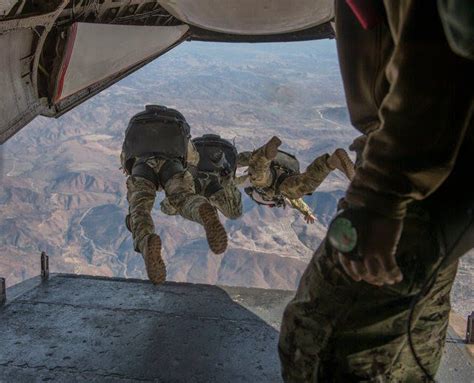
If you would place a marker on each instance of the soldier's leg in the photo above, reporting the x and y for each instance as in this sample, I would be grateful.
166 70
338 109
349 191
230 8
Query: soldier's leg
340 160
141 198
228 201
181 194
167 208
340 330
298 185
378 327
323 297
429 330
259 163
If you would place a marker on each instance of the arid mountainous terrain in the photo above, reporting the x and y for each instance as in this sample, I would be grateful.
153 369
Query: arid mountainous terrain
62 190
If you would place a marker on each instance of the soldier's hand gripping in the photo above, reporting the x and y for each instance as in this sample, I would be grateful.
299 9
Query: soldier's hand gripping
373 259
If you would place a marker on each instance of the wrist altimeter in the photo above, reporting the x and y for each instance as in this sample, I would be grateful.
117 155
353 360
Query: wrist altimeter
344 232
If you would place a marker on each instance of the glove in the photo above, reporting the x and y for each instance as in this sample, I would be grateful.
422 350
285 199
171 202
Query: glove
365 244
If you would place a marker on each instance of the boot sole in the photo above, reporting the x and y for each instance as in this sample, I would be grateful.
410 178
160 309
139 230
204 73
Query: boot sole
346 163
155 266
215 232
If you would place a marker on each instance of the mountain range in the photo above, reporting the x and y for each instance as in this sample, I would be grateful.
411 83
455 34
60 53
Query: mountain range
62 190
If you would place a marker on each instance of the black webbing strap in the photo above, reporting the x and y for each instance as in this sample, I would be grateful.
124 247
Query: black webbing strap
169 169
279 180
142 169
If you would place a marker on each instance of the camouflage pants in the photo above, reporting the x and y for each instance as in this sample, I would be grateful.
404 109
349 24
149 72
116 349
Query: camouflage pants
339 330
141 193
228 199
294 186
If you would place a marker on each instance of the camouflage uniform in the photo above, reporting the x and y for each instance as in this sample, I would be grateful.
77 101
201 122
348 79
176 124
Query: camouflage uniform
294 186
297 204
227 200
339 330
180 196
336 329
301 206
224 195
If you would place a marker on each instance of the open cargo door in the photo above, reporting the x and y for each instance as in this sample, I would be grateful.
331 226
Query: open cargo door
57 54
97 52
95 57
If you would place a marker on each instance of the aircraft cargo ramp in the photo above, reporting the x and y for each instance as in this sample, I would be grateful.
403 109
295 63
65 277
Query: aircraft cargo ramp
92 329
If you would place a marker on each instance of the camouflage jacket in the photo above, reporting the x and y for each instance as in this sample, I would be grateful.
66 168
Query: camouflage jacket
268 195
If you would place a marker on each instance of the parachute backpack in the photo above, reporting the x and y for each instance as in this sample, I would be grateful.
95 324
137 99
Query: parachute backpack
284 161
156 132
216 155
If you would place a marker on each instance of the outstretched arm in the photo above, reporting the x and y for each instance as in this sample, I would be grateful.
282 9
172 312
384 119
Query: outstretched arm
303 208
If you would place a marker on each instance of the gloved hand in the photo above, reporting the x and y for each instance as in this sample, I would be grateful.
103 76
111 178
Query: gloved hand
309 218
377 240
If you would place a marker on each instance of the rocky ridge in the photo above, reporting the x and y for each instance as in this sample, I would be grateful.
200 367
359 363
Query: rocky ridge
62 190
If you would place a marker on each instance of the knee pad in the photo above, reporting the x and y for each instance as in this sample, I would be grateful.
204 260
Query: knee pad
141 169
213 187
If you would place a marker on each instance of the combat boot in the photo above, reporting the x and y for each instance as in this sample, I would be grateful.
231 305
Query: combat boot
267 152
270 149
260 161
215 232
155 266
340 160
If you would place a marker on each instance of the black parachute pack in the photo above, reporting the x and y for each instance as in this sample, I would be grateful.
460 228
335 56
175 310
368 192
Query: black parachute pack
216 155
156 132
285 162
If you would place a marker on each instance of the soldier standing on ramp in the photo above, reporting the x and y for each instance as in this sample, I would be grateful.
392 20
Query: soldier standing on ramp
155 155
274 178
373 306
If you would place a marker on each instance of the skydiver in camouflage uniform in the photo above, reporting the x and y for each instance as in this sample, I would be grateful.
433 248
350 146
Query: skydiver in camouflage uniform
160 166
213 167
273 184
272 200
412 98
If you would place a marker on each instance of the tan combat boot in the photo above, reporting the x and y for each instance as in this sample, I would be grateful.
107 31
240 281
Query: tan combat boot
271 148
215 232
155 266
340 160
